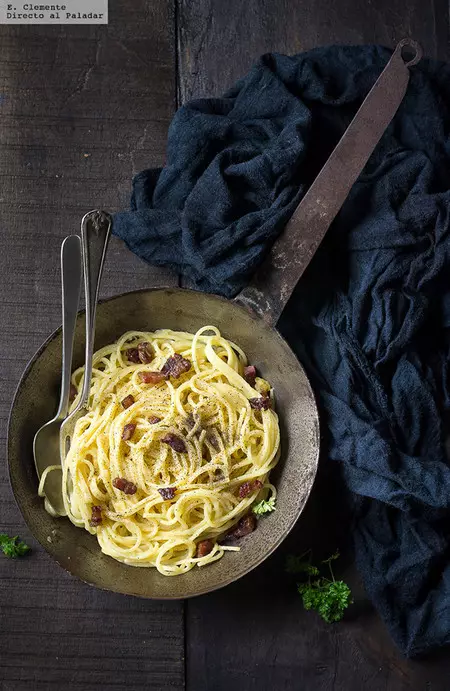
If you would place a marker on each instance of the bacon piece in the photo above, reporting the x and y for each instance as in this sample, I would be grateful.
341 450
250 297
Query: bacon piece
132 355
72 392
175 442
250 374
128 431
151 377
175 366
127 401
96 516
249 487
154 419
124 486
145 352
261 403
167 492
204 547
245 526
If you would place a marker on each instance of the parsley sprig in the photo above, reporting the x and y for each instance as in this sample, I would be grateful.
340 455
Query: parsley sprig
262 507
12 547
328 597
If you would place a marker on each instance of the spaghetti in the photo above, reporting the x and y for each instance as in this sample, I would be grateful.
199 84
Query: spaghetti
176 446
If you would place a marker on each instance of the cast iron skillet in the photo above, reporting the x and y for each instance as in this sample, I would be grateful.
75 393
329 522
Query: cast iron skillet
36 398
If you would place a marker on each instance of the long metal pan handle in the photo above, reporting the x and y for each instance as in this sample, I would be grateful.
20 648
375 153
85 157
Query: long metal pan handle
275 281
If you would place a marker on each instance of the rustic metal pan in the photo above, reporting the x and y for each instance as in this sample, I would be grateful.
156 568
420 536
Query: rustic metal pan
37 394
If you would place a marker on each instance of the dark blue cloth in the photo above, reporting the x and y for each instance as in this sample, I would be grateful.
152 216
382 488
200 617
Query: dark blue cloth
370 318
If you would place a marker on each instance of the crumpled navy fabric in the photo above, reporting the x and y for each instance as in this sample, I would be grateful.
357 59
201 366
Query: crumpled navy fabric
370 318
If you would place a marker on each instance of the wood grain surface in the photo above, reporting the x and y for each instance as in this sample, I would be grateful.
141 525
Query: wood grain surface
218 41
256 636
81 110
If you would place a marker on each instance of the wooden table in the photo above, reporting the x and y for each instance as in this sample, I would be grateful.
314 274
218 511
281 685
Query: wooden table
81 110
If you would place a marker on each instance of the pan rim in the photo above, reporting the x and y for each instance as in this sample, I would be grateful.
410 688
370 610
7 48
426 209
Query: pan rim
232 578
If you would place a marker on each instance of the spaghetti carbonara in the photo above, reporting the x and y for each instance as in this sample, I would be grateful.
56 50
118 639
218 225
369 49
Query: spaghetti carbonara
176 446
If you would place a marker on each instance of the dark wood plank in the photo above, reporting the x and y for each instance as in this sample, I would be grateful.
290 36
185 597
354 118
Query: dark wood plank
82 109
254 635
218 41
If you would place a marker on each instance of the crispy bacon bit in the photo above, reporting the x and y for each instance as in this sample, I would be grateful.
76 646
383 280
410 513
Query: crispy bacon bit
124 486
245 526
167 492
132 355
175 366
261 403
151 377
175 442
250 374
96 516
204 547
127 401
249 487
128 431
145 352
72 392
154 419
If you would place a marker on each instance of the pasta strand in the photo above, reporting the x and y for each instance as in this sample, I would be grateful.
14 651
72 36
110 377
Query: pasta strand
226 443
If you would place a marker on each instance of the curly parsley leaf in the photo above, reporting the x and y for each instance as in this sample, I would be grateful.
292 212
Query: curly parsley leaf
12 547
262 507
329 598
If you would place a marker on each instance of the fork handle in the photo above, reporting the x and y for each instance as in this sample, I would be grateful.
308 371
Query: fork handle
95 233
71 273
